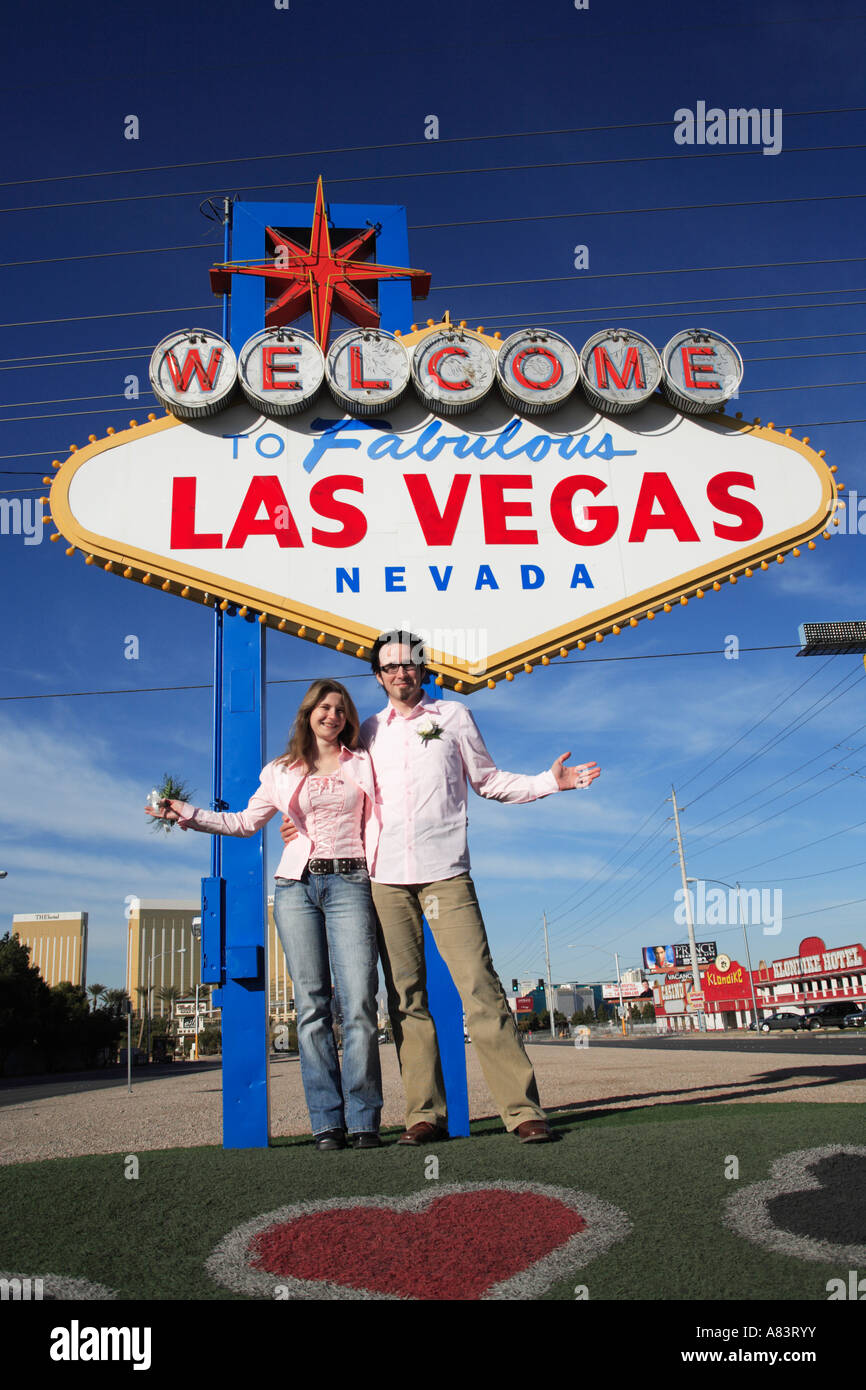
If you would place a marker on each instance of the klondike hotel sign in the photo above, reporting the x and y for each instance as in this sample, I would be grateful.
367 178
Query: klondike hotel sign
512 499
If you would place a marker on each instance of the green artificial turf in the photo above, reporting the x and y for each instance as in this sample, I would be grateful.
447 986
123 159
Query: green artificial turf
148 1238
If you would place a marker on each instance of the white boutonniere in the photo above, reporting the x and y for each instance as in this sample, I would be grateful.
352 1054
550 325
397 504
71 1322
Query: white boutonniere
432 731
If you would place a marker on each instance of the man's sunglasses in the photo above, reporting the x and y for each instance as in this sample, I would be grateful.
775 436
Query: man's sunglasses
393 667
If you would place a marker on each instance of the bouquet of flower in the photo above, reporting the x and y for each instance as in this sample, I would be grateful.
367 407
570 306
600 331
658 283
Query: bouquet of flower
171 789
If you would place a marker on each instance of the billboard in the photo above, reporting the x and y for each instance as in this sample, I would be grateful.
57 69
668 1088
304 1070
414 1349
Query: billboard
678 956
628 991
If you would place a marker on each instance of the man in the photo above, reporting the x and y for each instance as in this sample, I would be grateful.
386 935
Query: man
424 752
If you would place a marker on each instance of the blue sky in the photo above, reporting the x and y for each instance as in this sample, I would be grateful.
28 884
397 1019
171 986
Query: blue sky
555 130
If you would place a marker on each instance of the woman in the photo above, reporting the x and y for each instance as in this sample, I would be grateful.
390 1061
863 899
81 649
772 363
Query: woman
323 908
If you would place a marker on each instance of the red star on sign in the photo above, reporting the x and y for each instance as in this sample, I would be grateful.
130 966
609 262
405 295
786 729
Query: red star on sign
320 279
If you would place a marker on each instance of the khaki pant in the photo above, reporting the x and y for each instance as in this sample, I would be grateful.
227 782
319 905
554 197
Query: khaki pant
454 918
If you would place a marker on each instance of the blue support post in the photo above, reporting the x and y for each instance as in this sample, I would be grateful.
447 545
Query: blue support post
241 666
447 1010
244 995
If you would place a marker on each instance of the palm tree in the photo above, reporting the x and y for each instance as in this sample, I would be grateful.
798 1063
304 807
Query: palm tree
95 991
116 1001
142 992
168 994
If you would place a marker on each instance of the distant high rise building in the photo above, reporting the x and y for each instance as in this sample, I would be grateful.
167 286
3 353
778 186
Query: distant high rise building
567 1000
58 944
162 931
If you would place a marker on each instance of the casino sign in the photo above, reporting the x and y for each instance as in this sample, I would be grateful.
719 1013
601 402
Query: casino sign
507 500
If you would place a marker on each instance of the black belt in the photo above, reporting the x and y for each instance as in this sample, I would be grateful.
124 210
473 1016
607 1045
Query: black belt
336 866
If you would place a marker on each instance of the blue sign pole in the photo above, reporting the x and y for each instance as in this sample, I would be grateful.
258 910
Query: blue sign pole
233 906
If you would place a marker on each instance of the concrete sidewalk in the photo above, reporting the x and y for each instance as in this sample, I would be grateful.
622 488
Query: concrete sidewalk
63 1118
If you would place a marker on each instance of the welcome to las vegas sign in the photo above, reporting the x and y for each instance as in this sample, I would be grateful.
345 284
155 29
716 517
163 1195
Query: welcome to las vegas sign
507 501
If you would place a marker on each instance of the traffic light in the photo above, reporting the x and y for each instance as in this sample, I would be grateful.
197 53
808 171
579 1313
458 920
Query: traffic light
541 984
513 986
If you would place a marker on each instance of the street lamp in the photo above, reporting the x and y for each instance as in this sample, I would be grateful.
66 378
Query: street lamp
180 952
741 915
196 932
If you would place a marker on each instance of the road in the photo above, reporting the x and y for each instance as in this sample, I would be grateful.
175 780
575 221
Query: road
847 1042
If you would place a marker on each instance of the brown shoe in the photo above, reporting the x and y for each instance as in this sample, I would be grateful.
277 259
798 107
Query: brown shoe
534 1132
423 1133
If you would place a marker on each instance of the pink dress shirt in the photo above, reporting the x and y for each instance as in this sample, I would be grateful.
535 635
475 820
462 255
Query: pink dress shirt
281 789
421 785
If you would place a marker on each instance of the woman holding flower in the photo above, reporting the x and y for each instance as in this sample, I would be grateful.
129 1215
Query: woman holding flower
323 784
426 754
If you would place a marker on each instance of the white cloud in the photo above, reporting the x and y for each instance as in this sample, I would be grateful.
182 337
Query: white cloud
68 786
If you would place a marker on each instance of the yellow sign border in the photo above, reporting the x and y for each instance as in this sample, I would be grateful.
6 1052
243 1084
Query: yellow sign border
328 629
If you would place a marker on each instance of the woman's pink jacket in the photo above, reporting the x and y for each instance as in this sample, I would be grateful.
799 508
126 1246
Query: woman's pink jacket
279 790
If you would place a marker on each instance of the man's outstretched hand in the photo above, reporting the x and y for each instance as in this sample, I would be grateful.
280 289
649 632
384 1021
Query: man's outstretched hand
288 830
583 775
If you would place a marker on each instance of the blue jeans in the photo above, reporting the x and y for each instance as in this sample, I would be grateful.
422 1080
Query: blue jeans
318 917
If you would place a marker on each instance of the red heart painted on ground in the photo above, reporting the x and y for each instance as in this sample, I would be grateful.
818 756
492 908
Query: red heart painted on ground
455 1249
462 1242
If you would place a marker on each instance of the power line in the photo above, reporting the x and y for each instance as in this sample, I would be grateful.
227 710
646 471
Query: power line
633 888
108 255
393 145
470 222
789 917
795 356
788 792
71 414
808 386
629 212
82 352
784 776
739 873
607 308
143 356
664 303
63 400
820 873
147 690
428 174
122 314
749 828
596 920
778 738
551 318
519 951
607 864
798 849
579 277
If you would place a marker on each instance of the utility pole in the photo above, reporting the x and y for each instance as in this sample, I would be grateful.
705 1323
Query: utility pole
696 978
549 981
741 915
619 987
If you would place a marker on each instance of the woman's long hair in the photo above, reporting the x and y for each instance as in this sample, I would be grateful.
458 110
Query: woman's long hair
302 741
